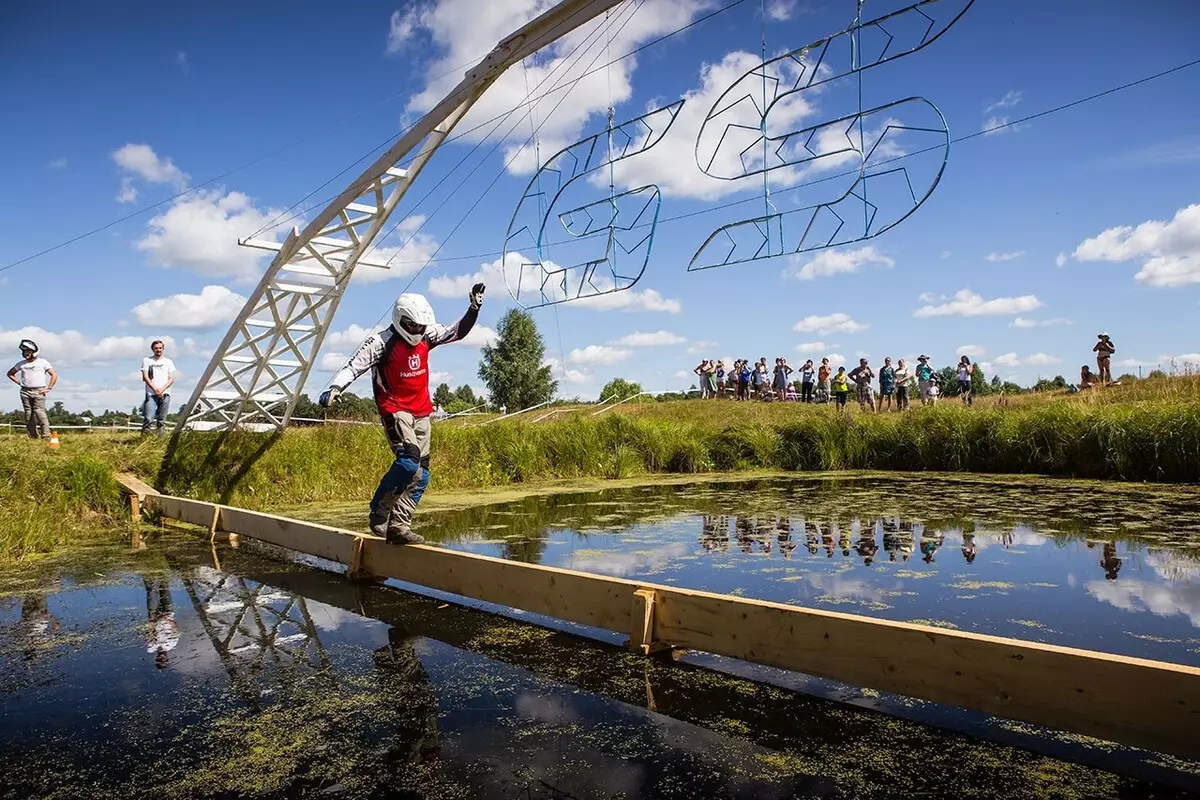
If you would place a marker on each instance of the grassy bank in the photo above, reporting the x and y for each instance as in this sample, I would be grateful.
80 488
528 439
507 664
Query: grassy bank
46 496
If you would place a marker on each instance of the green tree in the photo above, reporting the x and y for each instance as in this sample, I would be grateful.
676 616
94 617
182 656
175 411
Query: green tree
442 396
464 394
512 368
1156 374
947 379
619 389
979 382
1127 377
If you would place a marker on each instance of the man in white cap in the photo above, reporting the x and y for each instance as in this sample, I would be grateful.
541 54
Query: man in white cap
398 359
36 377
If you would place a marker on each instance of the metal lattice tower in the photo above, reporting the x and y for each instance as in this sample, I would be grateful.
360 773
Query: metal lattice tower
260 369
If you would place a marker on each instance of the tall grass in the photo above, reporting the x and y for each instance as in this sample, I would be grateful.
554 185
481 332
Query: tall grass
1150 437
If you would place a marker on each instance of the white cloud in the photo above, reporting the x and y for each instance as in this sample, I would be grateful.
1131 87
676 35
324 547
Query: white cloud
834 262
1024 322
1010 99
598 355
58 163
128 193
655 339
347 340
968 304
199 232
946 254
181 58
402 27
1060 260
215 305
332 362
1188 361
70 348
781 10
415 250
813 347
479 336
1170 251
514 264
994 257
462 30
574 377
701 347
142 161
829 323
972 350
836 359
1034 360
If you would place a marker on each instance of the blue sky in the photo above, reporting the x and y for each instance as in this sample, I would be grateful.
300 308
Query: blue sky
1037 237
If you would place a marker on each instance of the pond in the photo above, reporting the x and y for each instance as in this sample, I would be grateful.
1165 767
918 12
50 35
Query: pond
1102 567
173 670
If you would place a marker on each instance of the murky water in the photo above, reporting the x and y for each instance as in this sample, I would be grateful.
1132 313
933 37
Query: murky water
1105 568
176 671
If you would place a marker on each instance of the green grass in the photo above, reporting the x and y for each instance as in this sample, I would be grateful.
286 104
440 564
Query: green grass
1153 436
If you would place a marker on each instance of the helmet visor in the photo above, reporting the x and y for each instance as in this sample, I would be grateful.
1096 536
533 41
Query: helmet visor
412 327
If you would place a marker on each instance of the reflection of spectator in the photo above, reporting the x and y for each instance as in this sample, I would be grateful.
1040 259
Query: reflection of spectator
929 545
1110 562
162 632
866 547
410 701
969 550
37 626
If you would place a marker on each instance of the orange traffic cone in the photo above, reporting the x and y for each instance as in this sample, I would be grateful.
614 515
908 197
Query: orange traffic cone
53 440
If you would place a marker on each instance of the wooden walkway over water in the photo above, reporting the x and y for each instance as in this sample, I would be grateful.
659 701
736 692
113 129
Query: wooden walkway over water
1138 702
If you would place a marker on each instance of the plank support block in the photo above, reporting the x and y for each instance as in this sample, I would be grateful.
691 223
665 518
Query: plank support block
354 570
642 639
215 534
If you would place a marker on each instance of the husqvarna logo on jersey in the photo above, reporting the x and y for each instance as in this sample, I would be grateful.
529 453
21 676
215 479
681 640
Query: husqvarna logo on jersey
414 362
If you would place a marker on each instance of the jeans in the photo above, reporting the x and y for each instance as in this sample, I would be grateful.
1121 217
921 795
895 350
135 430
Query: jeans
806 392
33 403
155 410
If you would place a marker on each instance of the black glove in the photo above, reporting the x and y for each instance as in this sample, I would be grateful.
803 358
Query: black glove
477 296
328 397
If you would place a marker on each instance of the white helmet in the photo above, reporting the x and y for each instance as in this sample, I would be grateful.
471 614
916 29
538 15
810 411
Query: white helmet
411 317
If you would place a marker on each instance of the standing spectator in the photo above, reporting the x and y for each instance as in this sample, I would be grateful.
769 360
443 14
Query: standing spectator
744 376
36 377
720 373
807 374
887 383
1104 350
158 373
924 379
823 381
964 370
699 373
841 387
902 377
862 375
782 371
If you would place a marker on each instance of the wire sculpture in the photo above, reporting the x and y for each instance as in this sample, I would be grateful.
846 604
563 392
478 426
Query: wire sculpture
736 142
626 221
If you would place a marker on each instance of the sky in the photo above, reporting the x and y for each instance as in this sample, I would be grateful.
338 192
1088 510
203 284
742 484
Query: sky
203 123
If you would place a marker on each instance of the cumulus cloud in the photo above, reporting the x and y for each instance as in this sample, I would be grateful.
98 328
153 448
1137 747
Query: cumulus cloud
834 262
402 27
518 270
415 249
480 336
565 374
199 231
1033 360
781 10
829 323
654 339
968 304
701 347
215 305
347 340
813 347
597 355
994 257
1025 322
1060 260
972 350
1169 251
140 161
70 348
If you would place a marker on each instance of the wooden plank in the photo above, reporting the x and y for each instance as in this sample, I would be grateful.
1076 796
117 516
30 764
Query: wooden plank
1133 701
565 594
133 485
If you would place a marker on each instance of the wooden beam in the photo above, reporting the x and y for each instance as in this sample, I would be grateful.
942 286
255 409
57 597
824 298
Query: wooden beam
136 490
1149 704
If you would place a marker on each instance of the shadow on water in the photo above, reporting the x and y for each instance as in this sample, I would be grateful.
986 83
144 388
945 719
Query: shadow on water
171 676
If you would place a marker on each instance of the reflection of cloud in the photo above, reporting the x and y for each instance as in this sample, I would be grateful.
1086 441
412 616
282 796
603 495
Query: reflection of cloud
619 564
1173 566
546 709
1019 536
1162 600
845 588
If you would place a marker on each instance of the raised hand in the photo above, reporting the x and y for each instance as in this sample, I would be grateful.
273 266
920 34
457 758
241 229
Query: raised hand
476 296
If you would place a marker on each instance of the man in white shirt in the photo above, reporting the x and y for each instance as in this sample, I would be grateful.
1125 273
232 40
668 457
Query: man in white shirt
36 377
158 373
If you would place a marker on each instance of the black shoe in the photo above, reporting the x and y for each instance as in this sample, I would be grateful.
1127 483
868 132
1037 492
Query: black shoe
378 526
404 536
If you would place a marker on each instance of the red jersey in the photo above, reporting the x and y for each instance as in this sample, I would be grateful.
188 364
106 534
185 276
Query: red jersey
402 379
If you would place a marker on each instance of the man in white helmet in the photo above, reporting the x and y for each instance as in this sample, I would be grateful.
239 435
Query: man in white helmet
398 358
36 377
